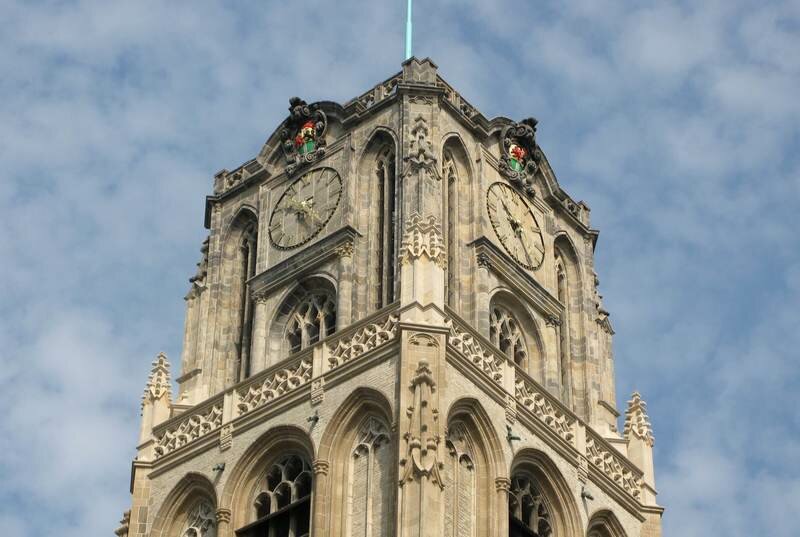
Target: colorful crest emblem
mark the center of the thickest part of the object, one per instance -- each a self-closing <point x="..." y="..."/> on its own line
<point x="522" y="155"/>
<point x="303" y="135"/>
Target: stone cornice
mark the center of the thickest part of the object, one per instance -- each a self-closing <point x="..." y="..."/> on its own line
<point x="303" y="262"/>
<point x="503" y="266"/>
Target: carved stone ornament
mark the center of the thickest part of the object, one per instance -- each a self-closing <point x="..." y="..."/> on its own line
<point x="303" y="134"/>
<point x="423" y="238"/>
<point x="124" y="524"/>
<point x="637" y="423"/>
<point x="159" y="383"/>
<point x="521" y="156"/>
<point x="422" y="443"/>
<point x="421" y="158"/>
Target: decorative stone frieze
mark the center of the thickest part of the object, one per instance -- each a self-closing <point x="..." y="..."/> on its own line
<point x="273" y="386"/>
<point x="484" y="261"/>
<point x="610" y="464"/>
<point x="188" y="429"/>
<point x="637" y="423"/>
<point x="423" y="237"/>
<point x="364" y="340"/>
<point x="538" y="403"/>
<point x="489" y="362"/>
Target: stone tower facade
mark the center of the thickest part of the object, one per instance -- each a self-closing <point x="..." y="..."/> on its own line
<point x="394" y="330"/>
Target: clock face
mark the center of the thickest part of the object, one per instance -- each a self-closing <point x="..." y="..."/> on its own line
<point x="515" y="225"/>
<point x="304" y="208"/>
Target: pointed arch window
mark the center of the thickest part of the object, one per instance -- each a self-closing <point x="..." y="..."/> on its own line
<point x="282" y="505"/>
<point x="385" y="230"/>
<point x="201" y="521"/>
<point x="506" y="334"/>
<point x="528" y="513"/>
<point x="247" y="260"/>
<point x="370" y="482"/>
<point x="459" y="477"/>
<point x="563" y="331"/>
<point x="450" y="175"/>
<point x="313" y="319"/>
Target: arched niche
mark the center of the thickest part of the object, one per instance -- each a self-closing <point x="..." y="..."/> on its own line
<point x="540" y="499"/>
<point x="457" y="210"/>
<point x="377" y="210"/>
<point x="604" y="523"/>
<point x="189" y="510"/>
<point x="306" y="315"/>
<point x="473" y="464"/>
<point x="514" y="330"/>
<point x="256" y="474"/>
<point x="239" y="255"/>
<point x="569" y="291"/>
<point x="360" y="449"/>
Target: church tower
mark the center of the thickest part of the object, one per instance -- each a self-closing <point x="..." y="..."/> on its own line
<point x="394" y="330"/>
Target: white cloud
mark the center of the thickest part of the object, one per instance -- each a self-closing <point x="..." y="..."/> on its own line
<point x="677" y="123"/>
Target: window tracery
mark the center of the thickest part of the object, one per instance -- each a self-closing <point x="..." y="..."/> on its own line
<point x="201" y="521"/>
<point x="505" y="333"/>
<point x="370" y="486"/>
<point x="459" y="478"/>
<point x="282" y="505"/>
<point x="313" y="319"/>
<point x="385" y="229"/>
<point x="527" y="509"/>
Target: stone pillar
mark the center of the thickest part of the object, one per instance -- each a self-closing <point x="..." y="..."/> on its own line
<point x="157" y="398"/>
<point x="223" y="516"/>
<point x="258" y="356"/>
<point x="502" y="486"/>
<point x="344" y="296"/>
<point x="421" y="496"/>
<point x="482" y="295"/>
<point x="322" y="501"/>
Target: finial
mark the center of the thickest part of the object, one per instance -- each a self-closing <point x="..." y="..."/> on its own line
<point x="158" y="383"/>
<point x="637" y="423"/>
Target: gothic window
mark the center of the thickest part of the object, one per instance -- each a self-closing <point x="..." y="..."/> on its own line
<point x="564" y="350"/>
<point x="370" y="482"/>
<point x="201" y="521"/>
<point x="247" y="260"/>
<point x="238" y="266"/>
<point x="527" y="510"/>
<point x="506" y="334"/>
<point x="459" y="478"/>
<point x="385" y="228"/>
<point x="450" y="175"/>
<point x="282" y="505"/>
<point x="313" y="319"/>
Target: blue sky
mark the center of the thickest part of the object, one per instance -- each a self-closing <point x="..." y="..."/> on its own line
<point x="676" y="122"/>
